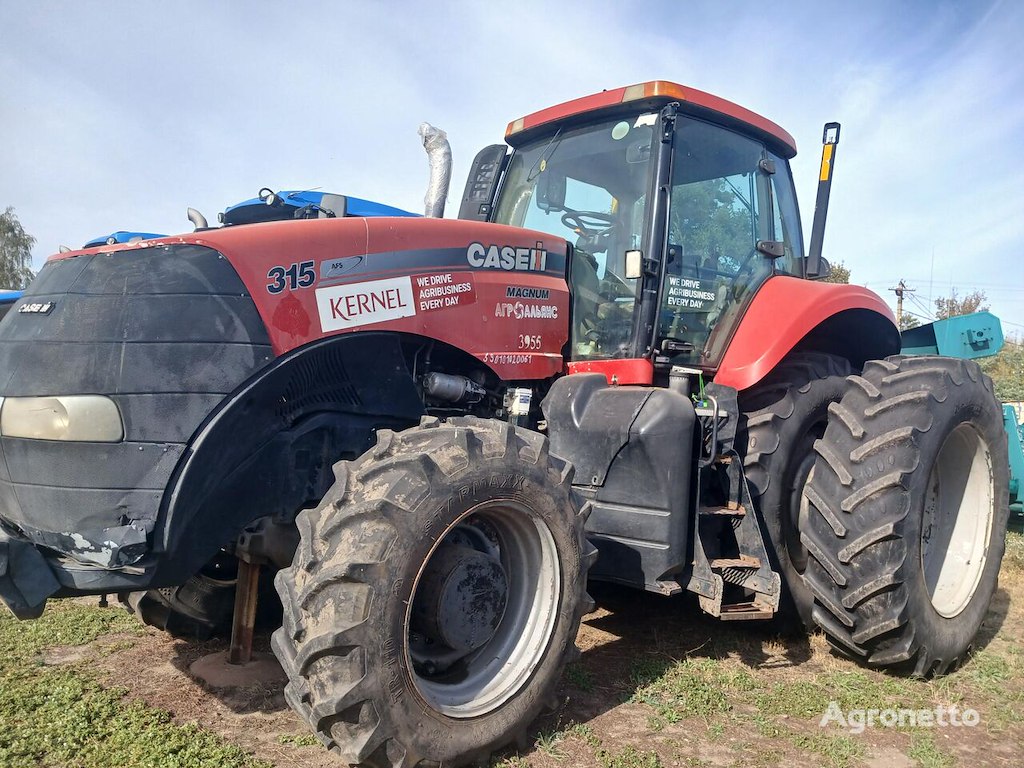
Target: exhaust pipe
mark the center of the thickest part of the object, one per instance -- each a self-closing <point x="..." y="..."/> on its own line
<point x="439" y="155"/>
<point x="197" y="219"/>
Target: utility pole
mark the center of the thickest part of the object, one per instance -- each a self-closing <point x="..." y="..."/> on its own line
<point x="899" y="290"/>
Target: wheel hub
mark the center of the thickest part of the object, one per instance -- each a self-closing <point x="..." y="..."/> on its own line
<point x="461" y="598"/>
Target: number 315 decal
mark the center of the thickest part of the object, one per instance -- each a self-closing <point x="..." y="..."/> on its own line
<point x="293" y="276"/>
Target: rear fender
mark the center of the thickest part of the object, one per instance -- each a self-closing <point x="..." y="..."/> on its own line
<point x="789" y="314"/>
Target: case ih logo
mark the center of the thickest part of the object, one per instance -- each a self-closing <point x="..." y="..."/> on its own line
<point x="356" y="304"/>
<point x="37" y="309"/>
<point x="507" y="257"/>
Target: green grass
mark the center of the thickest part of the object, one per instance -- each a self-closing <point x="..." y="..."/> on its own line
<point x="694" y="687"/>
<point x="840" y="751"/>
<point x="63" y="624"/>
<point x="926" y="753"/>
<point x="62" y="716"/>
<point x="628" y="757"/>
<point x="850" y="689"/>
<point x="515" y="761"/>
<point x="578" y="676"/>
<point x="584" y="733"/>
<point x="718" y="691"/>
<point x="989" y="682"/>
<point x="548" y="741"/>
<point x="298" y="739"/>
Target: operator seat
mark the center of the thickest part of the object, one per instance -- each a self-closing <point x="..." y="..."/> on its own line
<point x="586" y="297"/>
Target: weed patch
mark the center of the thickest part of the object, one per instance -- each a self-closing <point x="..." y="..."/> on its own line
<point x="628" y="757"/>
<point x="52" y="716"/>
<point x="840" y="751"/>
<point x="927" y="753"/>
<point x="696" y="687"/>
<point x="578" y="676"/>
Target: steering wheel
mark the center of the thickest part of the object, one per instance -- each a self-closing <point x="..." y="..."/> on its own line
<point x="614" y="287"/>
<point x="588" y="223"/>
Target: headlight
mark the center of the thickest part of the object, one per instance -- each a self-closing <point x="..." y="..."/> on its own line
<point x="81" y="418"/>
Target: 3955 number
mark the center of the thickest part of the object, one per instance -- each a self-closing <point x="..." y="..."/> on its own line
<point x="292" y="277"/>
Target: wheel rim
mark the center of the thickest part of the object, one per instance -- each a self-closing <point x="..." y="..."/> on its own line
<point x="957" y="522"/>
<point x="466" y="664"/>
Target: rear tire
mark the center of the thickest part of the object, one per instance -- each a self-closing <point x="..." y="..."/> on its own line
<point x="435" y="596"/>
<point x="907" y="511"/>
<point x="783" y="416"/>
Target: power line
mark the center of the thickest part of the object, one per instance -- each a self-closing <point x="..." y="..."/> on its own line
<point x="965" y="286"/>
<point x="920" y="304"/>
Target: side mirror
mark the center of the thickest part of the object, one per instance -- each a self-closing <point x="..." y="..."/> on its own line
<point x="634" y="265"/>
<point x="484" y="175"/>
<point x="550" y="191"/>
<point x="638" y="152"/>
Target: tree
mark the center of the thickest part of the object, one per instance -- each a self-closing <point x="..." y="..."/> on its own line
<point x="712" y="222"/>
<point x="838" y="273"/>
<point x="955" y="305"/>
<point x="15" y="252"/>
<point x="1007" y="371"/>
<point x="908" y="321"/>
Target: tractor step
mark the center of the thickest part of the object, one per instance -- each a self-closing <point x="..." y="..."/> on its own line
<point x="746" y="612"/>
<point x="731" y="574"/>
<point x="705" y="412"/>
<point x="743" y="561"/>
<point x="730" y="510"/>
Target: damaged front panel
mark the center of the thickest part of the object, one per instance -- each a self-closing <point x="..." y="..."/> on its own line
<point x="164" y="332"/>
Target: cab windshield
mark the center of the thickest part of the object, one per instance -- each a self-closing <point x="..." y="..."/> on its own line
<point x="588" y="186"/>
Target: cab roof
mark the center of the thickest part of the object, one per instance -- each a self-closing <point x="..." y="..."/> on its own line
<point x="652" y="95"/>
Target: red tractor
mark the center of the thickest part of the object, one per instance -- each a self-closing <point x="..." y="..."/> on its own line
<point x="617" y="364"/>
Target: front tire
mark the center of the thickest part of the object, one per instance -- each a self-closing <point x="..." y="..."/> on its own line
<point x="435" y="595"/>
<point x="907" y="511"/>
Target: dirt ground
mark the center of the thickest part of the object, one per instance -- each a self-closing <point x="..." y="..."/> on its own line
<point x="629" y="703"/>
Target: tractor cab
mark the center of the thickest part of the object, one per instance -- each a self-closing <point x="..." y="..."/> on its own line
<point x="677" y="206"/>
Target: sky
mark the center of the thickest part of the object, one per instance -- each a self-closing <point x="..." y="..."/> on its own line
<point x="119" y="115"/>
